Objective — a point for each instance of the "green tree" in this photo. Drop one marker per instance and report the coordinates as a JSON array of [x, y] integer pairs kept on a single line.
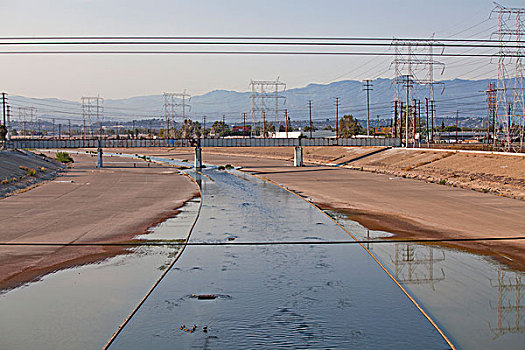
[[190, 129], [307, 128], [349, 126], [220, 128]]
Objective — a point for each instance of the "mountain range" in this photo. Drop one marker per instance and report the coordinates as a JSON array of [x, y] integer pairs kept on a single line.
[[465, 96]]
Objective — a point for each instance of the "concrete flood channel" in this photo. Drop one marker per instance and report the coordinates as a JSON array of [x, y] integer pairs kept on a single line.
[[268, 296]]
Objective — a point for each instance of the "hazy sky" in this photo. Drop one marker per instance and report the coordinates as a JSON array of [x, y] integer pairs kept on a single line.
[[120, 76]]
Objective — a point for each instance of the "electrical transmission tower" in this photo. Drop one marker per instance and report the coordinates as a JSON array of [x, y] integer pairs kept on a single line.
[[92, 111], [26, 118], [510, 106], [265, 100], [173, 101], [408, 66]]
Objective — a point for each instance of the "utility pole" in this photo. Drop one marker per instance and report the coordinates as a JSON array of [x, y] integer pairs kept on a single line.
[[407, 114], [310, 110], [401, 120], [286, 124], [4, 100], [457, 127], [53, 137], [244, 124], [419, 122], [8, 122], [223, 125], [59, 131], [367, 88], [395, 119], [337, 117], [426, 125], [204, 126], [264, 124], [133, 130], [69, 128]]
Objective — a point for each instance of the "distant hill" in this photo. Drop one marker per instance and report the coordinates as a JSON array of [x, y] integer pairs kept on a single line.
[[467, 96]]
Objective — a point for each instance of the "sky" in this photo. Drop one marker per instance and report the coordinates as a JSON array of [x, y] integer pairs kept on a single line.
[[118, 76]]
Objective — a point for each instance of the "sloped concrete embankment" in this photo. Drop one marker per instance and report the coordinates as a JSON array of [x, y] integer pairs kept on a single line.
[[20, 170]]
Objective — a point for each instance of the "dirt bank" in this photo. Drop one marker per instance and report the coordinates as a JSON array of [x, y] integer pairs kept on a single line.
[[404, 206], [86, 204]]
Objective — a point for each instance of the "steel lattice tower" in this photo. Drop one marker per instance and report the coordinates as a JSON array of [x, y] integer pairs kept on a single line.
[[510, 106], [263, 93]]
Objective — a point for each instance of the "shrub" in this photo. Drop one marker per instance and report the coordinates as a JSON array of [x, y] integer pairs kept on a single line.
[[443, 181], [64, 157], [43, 169], [31, 172], [228, 166], [221, 167]]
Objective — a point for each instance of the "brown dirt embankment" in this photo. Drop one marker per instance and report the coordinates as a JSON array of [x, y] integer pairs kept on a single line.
[[407, 207], [87, 205]]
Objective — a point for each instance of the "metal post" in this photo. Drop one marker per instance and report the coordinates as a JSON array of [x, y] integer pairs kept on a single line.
[[198, 158]]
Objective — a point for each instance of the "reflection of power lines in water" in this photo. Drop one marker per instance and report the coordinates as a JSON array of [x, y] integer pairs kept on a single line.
[[510, 298], [414, 264]]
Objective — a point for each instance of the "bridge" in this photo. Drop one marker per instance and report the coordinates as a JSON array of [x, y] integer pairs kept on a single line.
[[219, 142], [297, 143]]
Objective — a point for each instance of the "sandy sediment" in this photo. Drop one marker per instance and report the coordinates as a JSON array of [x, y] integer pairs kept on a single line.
[[87, 205], [404, 206]]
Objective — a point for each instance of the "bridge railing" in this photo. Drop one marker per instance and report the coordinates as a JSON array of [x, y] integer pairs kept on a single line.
[[224, 142]]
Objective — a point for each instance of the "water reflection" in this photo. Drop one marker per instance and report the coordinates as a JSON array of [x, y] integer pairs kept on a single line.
[[477, 300], [510, 303], [417, 264]]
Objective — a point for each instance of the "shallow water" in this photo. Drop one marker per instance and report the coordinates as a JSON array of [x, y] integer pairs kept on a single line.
[[80, 308], [269, 296], [475, 298], [274, 296]]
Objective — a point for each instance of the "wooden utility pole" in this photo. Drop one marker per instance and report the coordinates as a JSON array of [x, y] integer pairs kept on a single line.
[[419, 121], [395, 119], [286, 121], [310, 110], [244, 124], [223, 125], [204, 127], [426, 126], [367, 88], [337, 117], [264, 124], [4, 100], [457, 127]]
